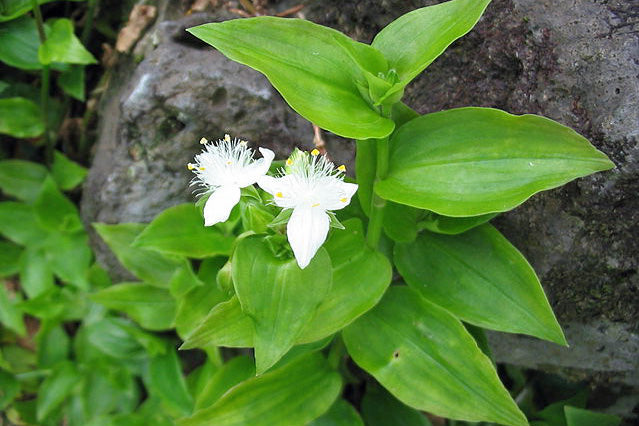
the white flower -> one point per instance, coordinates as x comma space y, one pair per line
310, 186
223, 168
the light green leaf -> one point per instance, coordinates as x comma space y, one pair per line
72, 82
55, 389
235, 371
10, 314
19, 43
280, 298
341, 413
69, 257
292, 395
53, 345
481, 278
56, 304
414, 40
54, 211
9, 389
22, 179
62, 45
19, 224
473, 161
183, 281
167, 382
400, 222
20, 118
194, 306
66, 173
11, 9
380, 408
150, 266
113, 337
318, 71
452, 225
365, 161
9, 258
580, 417
425, 357
193, 239
151, 307
36, 276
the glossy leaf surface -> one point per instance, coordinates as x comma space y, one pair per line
62, 45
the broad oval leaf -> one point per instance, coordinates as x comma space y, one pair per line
55, 388
19, 43
481, 278
341, 413
315, 68
414, 40
280, 298
180, 230
425, 357
62, 45
292, 395
473, 161
20, 118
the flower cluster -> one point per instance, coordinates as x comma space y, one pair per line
310, 185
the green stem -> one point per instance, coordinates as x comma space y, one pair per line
88, 23
45, 84
336, 352
376, 218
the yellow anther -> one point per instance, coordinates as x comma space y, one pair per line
202, 168
229, 162
315, 205
343, 200
289, 162
342, 168
227, 137
190, 166
279, 194
203, 141
243, 143
315, 153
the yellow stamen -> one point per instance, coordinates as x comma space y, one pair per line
315, 205
202, 168
315, 153
227, 137
229, 162
243, 143
289, 162
342, 168
190, 166
343, 200
279, 194
203, 141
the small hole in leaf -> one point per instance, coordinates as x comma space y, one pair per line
396, 354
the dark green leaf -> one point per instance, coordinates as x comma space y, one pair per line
9, 258
180, 230
235, 371
481, 278
22, 179
414, 40
580, 417
53, 345
11, 9
365, 163
453, 225
56, 304
319, 71
194, 306
473, 161
114, 337
56, 388
167, 382
72, 82
20, 118
380, 408
425, 357
69, 256
400, 222
151, 307
9, 389
66, 173
341, 413
62, 45
54, 211
11, 315
150, 266
280, 298
19, 43
292, 395
36, 276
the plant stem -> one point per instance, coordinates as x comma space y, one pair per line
88, 23
44, 88
376, 218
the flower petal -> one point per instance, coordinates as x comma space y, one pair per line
337, 194
307, 230
252, 172
219, 205
282, 189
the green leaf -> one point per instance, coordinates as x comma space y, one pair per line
453, 225
167, 382
481, 278
183, 281
473, 161
365, 161
22, 179
193, 239
9, 258
318, 71
292, 395
62, 45
10, 314
380, 408
69, 257
114, 337
9, 389
72, 82
55, 389
11, 9
414, 40
341, 413
151, 307
194, 306
20, 118
280, 298
66, 173
400, 222
235, 371
53, 345
150, 266
54, 211
580, 417
19, 43
18, 223
56, 304
36, 276
425, 357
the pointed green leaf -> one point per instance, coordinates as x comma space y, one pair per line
473, 161
580, 417
280, 298
452, 225
341, 413
9, 389
317, 70
150, 266
69, 257
414, 40
66, 173
194, 306
55, 389
12, 9
292, 395
53, 345
72, 82
62, 45
235, 371
151, 307
193, 239
166, 381
380, 408
22, 179
36, 276
480, 277
10, 314
20, 118
54, 211
425, 357
9, 258
19, 43
19, 224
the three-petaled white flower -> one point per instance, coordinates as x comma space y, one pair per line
311, 187
223, 168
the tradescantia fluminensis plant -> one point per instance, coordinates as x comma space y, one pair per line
406, 285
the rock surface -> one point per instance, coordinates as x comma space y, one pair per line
575, 62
